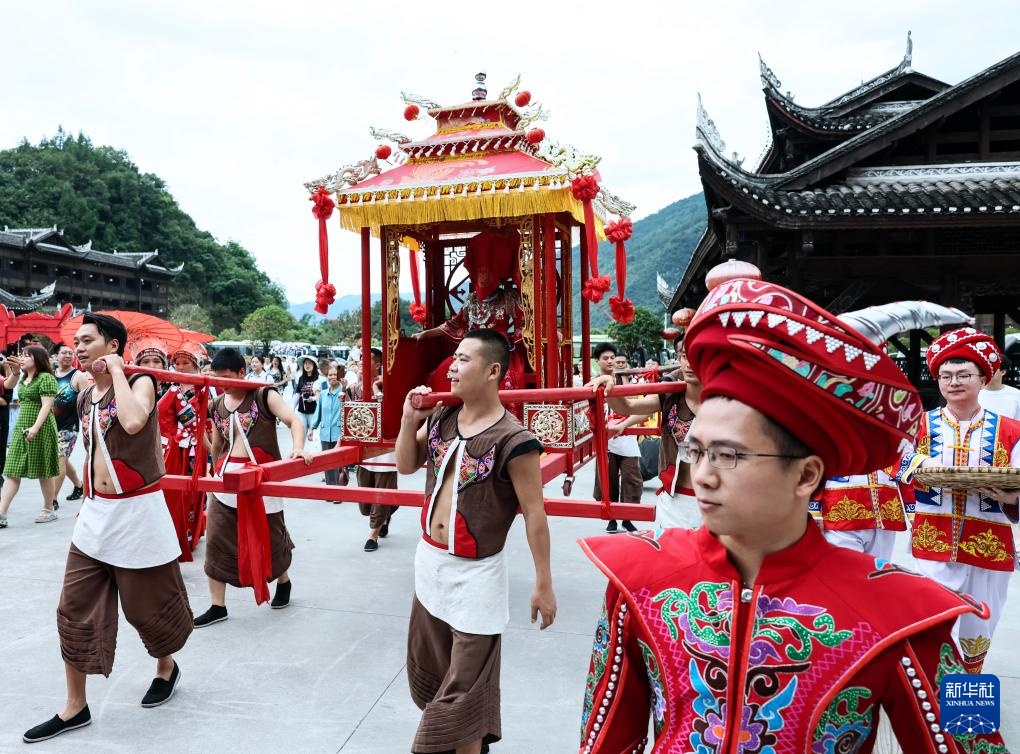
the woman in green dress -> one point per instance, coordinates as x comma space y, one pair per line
33, 449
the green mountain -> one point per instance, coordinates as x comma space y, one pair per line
98, 194
662, 243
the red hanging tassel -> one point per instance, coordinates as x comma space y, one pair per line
418, 312
585, 188
322, 209
621, 307
254, 552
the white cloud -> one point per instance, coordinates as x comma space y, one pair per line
237, 104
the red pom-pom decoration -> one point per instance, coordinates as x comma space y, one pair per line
325, 295
322, 204
418, 313
523, 98
411, 112
383, 151
535, 135
584, 188
622, 309
619, 231
595, 288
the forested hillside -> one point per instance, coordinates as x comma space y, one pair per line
662, 243
96, 192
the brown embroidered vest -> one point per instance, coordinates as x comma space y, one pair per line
676, 421
256, 421
484, 501
136, 460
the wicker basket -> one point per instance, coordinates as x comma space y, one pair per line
969, 477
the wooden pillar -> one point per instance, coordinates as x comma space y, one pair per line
366, 312
549, 306
585, 314
384, 341
999, 327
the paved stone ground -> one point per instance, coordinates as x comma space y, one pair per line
326, 674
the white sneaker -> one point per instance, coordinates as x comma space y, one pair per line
46, 516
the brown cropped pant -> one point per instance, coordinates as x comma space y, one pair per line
221, 544
454, 679
380, 480
154, 599
625, 483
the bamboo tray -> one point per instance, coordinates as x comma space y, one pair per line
969, 477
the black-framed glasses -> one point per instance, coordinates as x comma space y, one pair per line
963, 377
720, 457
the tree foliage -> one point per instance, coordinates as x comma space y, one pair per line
266, 324
643, 334
96, 193
191, 317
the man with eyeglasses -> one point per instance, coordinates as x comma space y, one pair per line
752, 633
963, 538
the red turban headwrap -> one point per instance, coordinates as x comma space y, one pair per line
824, 382
491, 258
964, 343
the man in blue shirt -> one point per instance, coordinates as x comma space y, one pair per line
327, 420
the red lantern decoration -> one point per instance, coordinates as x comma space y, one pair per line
383, 151
535, 135
411, 112
682, 317
523, 98
731, 269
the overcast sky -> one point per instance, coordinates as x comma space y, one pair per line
236, 104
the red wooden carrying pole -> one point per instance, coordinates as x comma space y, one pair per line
184, 378
366, 313
549, 275
428, 400
585, 314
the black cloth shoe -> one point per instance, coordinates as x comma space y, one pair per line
629, 526
282, 597
160, 691
76, 494
371, 545
56, 505
56, 726
611, 527
384, 530
214, 614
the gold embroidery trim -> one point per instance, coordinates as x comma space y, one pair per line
985, 545
928, 537
848, 510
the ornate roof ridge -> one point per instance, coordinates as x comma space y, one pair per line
897, 120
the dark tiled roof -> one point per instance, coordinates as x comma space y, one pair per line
26, 303
51, 241
930, 190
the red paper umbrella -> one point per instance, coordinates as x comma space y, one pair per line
196, 337
138, 325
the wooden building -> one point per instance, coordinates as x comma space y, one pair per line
32, 259
904, 187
